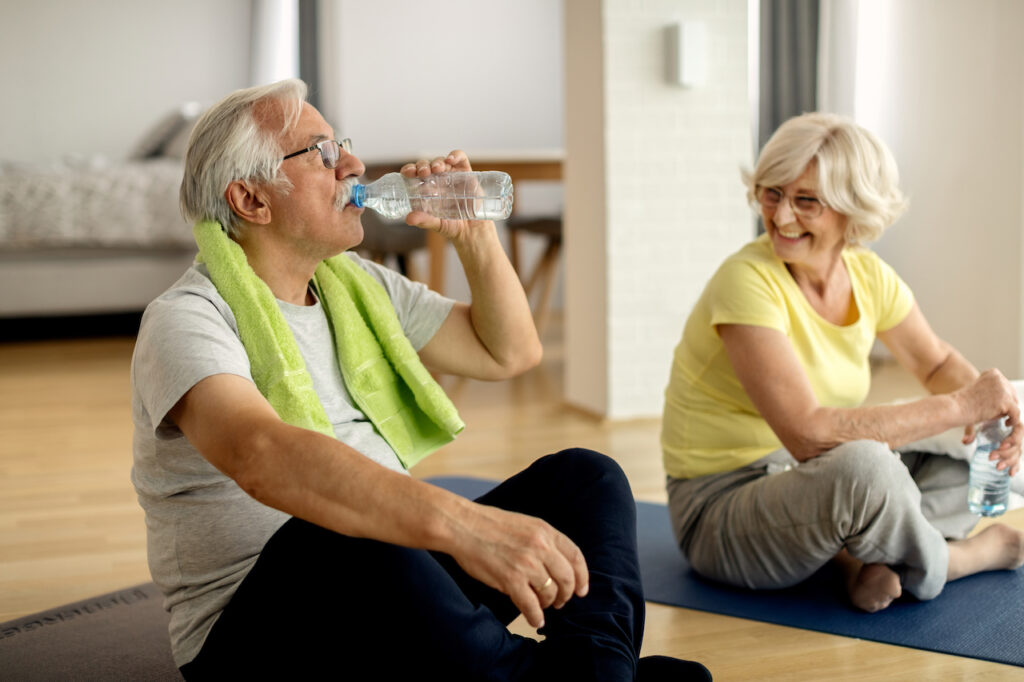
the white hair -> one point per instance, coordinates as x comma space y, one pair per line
857, 175
228, 144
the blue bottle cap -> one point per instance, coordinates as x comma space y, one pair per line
358, 196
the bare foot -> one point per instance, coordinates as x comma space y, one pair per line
998, 547
872, 587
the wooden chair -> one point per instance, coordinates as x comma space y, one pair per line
384, 241
545, 272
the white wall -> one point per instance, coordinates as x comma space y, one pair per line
404, 76
942, 82
654, 200
89, 78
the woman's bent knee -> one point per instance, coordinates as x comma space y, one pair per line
862, 467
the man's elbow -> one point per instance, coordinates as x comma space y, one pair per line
531, 357
524, 358
250, 464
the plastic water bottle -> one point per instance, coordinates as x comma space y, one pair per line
989, 489
460, 195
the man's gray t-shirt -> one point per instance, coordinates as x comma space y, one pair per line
203, 532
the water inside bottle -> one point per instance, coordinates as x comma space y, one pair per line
462, 207
988, 491
392, 207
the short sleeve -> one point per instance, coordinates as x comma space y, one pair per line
183, 338
889, 296
741, 292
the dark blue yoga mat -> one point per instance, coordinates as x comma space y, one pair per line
980, 617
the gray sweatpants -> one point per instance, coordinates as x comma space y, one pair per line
766, 525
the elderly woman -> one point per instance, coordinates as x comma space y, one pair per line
774, 465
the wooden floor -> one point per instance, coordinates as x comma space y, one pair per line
70, 527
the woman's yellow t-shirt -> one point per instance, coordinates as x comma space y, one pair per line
709, 423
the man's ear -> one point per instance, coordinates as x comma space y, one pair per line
248, 203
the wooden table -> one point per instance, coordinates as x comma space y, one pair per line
544, 164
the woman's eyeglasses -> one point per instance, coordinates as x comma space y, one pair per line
803, 205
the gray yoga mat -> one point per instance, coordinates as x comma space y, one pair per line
116, 636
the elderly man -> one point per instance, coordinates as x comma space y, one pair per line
279, 395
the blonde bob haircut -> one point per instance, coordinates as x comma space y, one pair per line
857, 175
228, 143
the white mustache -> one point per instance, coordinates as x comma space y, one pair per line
344, 194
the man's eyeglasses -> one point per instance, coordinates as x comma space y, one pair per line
330, 151
803, 205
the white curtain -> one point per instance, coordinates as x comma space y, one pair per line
275, 41
858, 56
837, 56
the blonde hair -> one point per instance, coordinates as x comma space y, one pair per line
228, 144
857, 175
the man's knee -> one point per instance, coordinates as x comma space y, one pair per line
581, 467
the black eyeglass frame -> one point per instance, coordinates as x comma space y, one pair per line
344, 144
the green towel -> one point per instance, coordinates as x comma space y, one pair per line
382, 371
